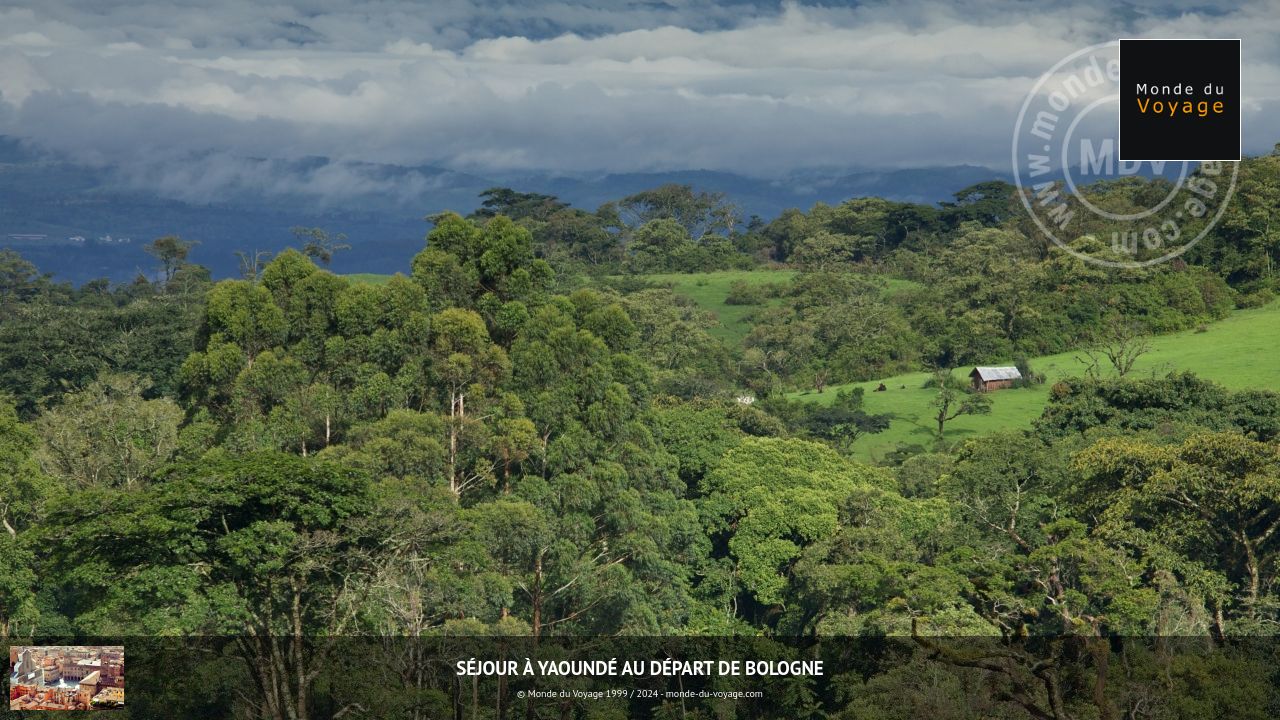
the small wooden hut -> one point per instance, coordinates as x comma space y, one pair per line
986, 379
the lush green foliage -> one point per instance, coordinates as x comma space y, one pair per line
496, 444
1233, 352
54, 339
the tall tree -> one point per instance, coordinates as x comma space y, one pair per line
698, 212
769, 498
517, 205
171, 251
108, 435
19, 279
318, 244
268, 548
467, 364
1212, 501
246, 314
954, 400
23, 488
1122, 342
18, 584
465, 265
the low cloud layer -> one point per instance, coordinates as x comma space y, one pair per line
755, 88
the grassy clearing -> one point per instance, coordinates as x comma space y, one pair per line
1238, 352
369, 278
709, 290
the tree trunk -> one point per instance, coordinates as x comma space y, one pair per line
300, 668
458, 713
1100, 648
453, 446
1219, 633
536, 595
1251, 567
457, 413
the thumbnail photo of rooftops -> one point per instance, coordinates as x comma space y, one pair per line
66, 677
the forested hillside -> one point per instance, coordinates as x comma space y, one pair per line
536, 432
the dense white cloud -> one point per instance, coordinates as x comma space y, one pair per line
750, 87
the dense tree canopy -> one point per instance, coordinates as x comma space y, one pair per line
521, 436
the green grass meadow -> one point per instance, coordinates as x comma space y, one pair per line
709, 290
1242, 351
369, 278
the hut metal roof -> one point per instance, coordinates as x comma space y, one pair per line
996, 373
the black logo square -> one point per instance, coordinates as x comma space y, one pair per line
1179, 99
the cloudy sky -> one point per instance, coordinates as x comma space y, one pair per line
760, 88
